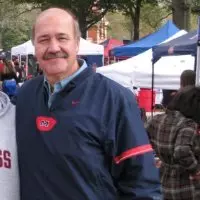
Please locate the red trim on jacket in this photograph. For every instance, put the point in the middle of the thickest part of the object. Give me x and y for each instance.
(133, 152)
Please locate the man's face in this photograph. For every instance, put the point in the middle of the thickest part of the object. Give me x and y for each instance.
(56, 45)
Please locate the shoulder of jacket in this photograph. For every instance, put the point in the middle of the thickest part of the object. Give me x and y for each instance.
(32, 83)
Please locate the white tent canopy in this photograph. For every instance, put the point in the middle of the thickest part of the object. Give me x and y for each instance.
(89, 48)
(23, 49)
(137, 71)
(85, 48)
(167, 72)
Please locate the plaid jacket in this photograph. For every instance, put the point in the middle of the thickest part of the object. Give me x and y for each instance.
(176, 142)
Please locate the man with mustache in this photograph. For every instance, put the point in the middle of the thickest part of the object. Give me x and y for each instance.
(79, 134)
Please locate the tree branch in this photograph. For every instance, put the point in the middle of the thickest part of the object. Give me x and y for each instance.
(196, 9)
(28, 10)
(155, 25)
(93, 21)
(164, 17)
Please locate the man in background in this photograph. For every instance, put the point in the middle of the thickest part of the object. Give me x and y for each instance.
(187, 78)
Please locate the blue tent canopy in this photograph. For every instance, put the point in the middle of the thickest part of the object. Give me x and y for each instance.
(147, 42)
(183, 45)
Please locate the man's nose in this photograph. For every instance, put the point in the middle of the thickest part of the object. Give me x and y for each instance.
(54, 46)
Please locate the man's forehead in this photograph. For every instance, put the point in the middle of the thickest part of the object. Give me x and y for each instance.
(54, 25)
(53, 14)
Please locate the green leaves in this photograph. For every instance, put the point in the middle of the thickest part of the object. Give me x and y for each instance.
(89, 12)
(15, 27)
(14, 36)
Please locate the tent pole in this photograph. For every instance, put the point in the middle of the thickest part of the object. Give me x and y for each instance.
(197, 61)
(152, 89)
(197, 66)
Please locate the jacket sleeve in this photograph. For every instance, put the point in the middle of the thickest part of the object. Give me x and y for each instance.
(186, 143)
(133, 170)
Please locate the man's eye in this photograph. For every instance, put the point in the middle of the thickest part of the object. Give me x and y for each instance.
(63, 39)
(43, 40)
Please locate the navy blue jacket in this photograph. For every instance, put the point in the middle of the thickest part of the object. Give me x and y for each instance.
(89, 145)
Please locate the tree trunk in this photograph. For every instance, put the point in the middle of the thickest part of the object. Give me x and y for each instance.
(181, 10)
(136, 21)
(83, 31)
(188, 10)
(83, 24)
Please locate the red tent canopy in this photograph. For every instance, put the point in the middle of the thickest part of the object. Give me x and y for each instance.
(110, 44)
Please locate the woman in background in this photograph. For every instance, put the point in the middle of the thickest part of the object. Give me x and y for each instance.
(175, 137)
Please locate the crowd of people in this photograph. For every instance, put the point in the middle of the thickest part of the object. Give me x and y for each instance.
(11, 75)
(74, 134)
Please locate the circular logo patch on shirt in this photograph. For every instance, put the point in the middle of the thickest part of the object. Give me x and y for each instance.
(45, 123)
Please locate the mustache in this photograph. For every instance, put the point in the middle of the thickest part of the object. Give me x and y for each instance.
(55, 55)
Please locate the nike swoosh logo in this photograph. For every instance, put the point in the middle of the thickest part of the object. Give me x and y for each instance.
(75, 102)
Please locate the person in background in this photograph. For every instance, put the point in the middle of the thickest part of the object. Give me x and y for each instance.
(1, 71)
(39, 70)
(20, 72)
(187, 78)
(80, 135)
(9, 71)
(168, 95)
(9, 79)
(9, 172)
(1, 65)
(175, 137)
